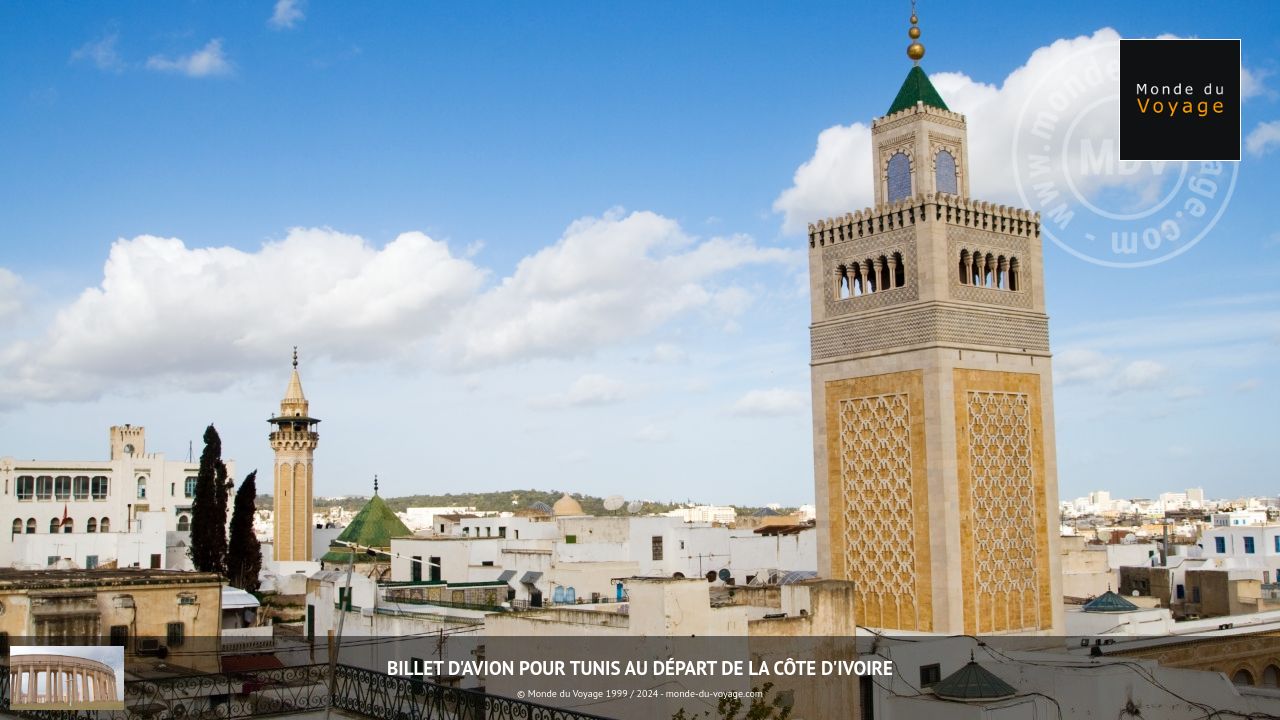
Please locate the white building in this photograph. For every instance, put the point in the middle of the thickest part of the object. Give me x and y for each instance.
(722, 514)
(76, 499)
(578, 558)
(1237, 518)
(1255, 545)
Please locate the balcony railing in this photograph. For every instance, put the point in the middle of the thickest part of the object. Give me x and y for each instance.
(305, 689)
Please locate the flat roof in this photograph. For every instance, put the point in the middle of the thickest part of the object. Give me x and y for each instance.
(11, 579)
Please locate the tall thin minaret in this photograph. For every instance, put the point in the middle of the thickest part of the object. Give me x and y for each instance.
(934, 456)
(294, 441)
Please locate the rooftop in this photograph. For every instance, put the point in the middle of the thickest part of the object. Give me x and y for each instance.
(11, 579)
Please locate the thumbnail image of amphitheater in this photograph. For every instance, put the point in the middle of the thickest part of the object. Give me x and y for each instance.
(65, 677)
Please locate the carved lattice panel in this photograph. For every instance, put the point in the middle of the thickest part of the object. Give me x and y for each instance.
(1003, 506)
(879, 539)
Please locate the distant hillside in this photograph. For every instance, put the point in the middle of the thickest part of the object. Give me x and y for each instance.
(499, 501)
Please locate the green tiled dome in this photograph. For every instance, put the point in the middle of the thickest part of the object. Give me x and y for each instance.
(973, 683)
(1109, 602)
(916, 88)
(373, 526)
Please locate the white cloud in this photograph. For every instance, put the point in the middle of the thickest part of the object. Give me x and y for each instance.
(1140, 375)
(607, 278)
(1263, 138)
(1251, 83)
(837, 178)
(666, 354)
(208, 61)
(102, 53)
(586, 391)
(166, 315)
(652, 433)
(1080, 365)
(286, 14)
(1249, 386)
(1086, 366)
(201, 316)
(771, 403)
(10, 294)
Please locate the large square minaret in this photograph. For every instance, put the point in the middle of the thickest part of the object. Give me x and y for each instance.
(933, 398)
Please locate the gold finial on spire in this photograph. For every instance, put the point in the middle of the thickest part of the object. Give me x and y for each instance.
(915, 50)
(295, 357)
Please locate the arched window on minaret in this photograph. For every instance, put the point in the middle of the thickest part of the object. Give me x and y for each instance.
(945, 173)
(966, 269)
(899, 177)
(843, 292)
(899, 270)
(1013, 273)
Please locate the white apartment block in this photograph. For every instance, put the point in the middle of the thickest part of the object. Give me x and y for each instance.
(1245, 546)
(722, 514)
(90, 504)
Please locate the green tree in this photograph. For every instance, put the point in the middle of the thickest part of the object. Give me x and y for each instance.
(208, 549)
(244, 552)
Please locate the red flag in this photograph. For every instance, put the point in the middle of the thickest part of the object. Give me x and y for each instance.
(64, 513)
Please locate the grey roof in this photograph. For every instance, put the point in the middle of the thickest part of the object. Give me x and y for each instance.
(506, 576)
(530, 577)
(973, 682)
(1109, 602)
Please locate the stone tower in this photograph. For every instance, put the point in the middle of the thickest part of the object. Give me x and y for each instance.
(933, 410)
(294, 441)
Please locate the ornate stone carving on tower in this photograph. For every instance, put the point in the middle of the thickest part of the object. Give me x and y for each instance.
(933, 410)
(294, 441)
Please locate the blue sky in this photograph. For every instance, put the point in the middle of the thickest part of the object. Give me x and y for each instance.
(552, 245)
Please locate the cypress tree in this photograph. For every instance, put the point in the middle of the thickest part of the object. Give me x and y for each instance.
(244, 552)
(209, 508)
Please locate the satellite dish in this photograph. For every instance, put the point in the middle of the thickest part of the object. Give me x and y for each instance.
(634, 506)
(613, 502)
(725, 575)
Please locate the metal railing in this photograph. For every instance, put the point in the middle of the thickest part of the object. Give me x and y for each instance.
(304, 689)
(376, 695)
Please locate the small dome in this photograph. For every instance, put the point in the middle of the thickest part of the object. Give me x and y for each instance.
(566, 506)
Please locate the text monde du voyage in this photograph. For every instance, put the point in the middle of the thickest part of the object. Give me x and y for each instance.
(1181, 99)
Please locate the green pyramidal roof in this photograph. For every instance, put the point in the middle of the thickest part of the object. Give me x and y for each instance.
(1109, 602)
(916, 88)
(973, 682)
(373, 526)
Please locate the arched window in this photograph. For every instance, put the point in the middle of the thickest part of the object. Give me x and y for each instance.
(965, 271)
(945, 173)
(1002, 273)
(842, 278)
(899, 270)
(184, 523)
(31, 526)
(142, 488)
(989, 271)
(54, 524)
(91, 526)
(1271, 676)
(1013, 273)
(69, 525)
(1242, 677)
(899, 177)
(104, 525)
(17, 526)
